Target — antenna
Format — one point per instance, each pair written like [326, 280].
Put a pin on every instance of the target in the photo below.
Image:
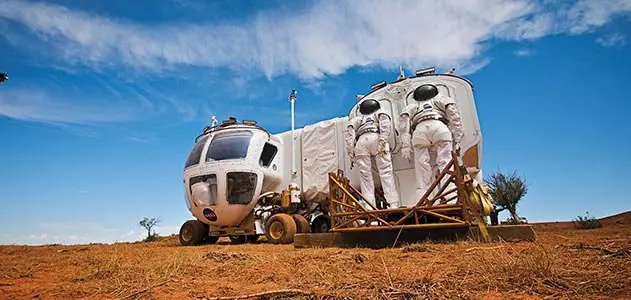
[292, 100]
[401, 73]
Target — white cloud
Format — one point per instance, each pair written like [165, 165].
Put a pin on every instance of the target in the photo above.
[612, 40]
[588, 14]
[524, 52]
[41, 107]
[141, 139]
[325, 39]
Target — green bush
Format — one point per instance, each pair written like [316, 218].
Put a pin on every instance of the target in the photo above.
[587, 222]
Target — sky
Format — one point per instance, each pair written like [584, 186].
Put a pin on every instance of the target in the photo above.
[104, 98]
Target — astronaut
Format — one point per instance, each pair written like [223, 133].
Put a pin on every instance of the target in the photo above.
[366, 137]
[433, 122]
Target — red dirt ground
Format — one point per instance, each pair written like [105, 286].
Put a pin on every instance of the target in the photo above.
[564, 263]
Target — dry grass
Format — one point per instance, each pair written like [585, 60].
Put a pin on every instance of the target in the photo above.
[554, 267]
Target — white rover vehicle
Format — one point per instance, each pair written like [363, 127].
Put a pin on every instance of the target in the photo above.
[242, 182]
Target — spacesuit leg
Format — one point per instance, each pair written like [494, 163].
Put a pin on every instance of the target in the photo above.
[384, 165]
[366, 183]
[423, 171]
[443, 157]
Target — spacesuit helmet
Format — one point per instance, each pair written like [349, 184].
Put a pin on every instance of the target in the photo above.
[425, 92]
[369, 106]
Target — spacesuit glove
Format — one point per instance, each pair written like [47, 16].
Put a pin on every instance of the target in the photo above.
[457, 147]
[351, 154]
[406, 152]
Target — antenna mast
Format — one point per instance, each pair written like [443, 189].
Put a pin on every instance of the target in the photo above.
[292, 100]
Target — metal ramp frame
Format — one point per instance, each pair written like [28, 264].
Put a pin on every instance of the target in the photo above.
[349, 213]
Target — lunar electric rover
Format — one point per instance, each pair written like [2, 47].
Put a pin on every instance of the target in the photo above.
[242, 182]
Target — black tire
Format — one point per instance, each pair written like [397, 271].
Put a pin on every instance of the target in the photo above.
[280, 229]
[211, 239]
[321, 225]
[242, 239]
[237, 239]
[302, 225]
[193, 232]
[253, 238]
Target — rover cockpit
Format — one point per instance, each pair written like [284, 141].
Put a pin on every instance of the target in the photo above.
[229, 166]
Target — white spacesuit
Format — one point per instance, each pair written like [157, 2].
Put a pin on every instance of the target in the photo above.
[366, 137]
[434, 122]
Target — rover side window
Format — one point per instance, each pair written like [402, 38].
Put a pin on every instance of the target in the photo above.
[196, 153]
[240, 187]
[229, 145]
[269, 152]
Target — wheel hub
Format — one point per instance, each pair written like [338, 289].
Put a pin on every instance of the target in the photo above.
[187, 234]
[276, 230]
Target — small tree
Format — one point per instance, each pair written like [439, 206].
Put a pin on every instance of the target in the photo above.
[507, 190]
[149, 223]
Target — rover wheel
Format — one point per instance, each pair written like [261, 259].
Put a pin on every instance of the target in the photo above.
[237, 239]
[280, 229]
[193, 232]
[302, 225]
[321, 224]
[242, 239]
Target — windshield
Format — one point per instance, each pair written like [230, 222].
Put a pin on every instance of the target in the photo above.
[196, 153]
[229, 145]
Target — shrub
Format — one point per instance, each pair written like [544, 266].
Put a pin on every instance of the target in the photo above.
[587, 222]
[151, 238]
[507, 190]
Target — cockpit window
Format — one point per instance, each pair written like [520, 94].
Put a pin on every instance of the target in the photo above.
[240, 187]
[229, 145]
[204, 189]
[196, 153]
[269, 151]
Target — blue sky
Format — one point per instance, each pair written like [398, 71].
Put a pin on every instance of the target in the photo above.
[104, 98]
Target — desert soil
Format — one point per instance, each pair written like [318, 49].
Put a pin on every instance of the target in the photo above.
[563, 263]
